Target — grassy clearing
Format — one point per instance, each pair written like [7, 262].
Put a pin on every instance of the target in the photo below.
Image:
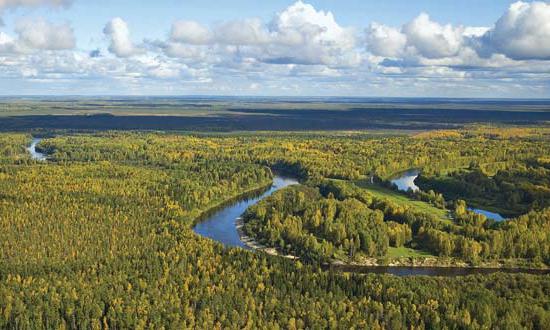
[404, 252]
[402, 199]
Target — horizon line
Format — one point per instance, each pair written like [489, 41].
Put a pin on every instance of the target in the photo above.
[267, 96]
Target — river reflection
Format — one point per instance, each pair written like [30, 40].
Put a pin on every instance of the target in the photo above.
[488, 214]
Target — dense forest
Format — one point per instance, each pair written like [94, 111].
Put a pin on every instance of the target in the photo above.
[99, 236]
[299, 221]
[514, 190]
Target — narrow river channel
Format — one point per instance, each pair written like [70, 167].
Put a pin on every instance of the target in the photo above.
[32, 150]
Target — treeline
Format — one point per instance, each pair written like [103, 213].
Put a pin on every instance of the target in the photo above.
[308, 155]
[525, 237]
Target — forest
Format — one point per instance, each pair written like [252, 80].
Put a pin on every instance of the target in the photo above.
[100, 236]
[520, 187]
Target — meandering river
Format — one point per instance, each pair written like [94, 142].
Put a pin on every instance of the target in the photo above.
[221, 226]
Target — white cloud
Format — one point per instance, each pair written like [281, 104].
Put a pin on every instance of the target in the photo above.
[248, 32]
[40, 34]
[301, 24]
[7, 43]
[420, 37]
[522, 33]
[304, 35]
[299, 34]
[119, 34]
[383, 40]
[432, 40]
[300, 50]
[190, 32]
[21, 3]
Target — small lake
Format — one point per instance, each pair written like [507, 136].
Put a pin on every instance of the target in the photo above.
[32, 150]
[220, 225]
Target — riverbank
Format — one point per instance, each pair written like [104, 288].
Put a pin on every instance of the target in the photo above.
[442, 262]
[408, 262]
[251, 243]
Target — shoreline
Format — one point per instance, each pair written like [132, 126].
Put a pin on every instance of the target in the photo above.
[252, 244]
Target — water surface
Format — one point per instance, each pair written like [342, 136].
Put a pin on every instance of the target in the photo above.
[433, 271]
[405, 180]
[220, 226]
[32, 150]
[488, 214]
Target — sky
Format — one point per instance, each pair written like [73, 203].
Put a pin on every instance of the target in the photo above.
[391, 48]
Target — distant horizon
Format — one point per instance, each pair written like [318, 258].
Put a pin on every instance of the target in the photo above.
[289, 97]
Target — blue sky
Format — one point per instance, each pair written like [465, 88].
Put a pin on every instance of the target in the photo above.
[153, 18]
[466, 48]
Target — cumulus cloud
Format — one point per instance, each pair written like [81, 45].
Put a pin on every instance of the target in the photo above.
[421, 36]
[301, 23]
[431, 39]
[300, 49]
[248, 32]
[383, 40]
[522, 33]
[190, 32]
[300, 34]
[119, 34]
[40, 34]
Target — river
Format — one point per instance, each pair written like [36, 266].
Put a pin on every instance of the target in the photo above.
[32, 150]
[221, 226]
[405, 182]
